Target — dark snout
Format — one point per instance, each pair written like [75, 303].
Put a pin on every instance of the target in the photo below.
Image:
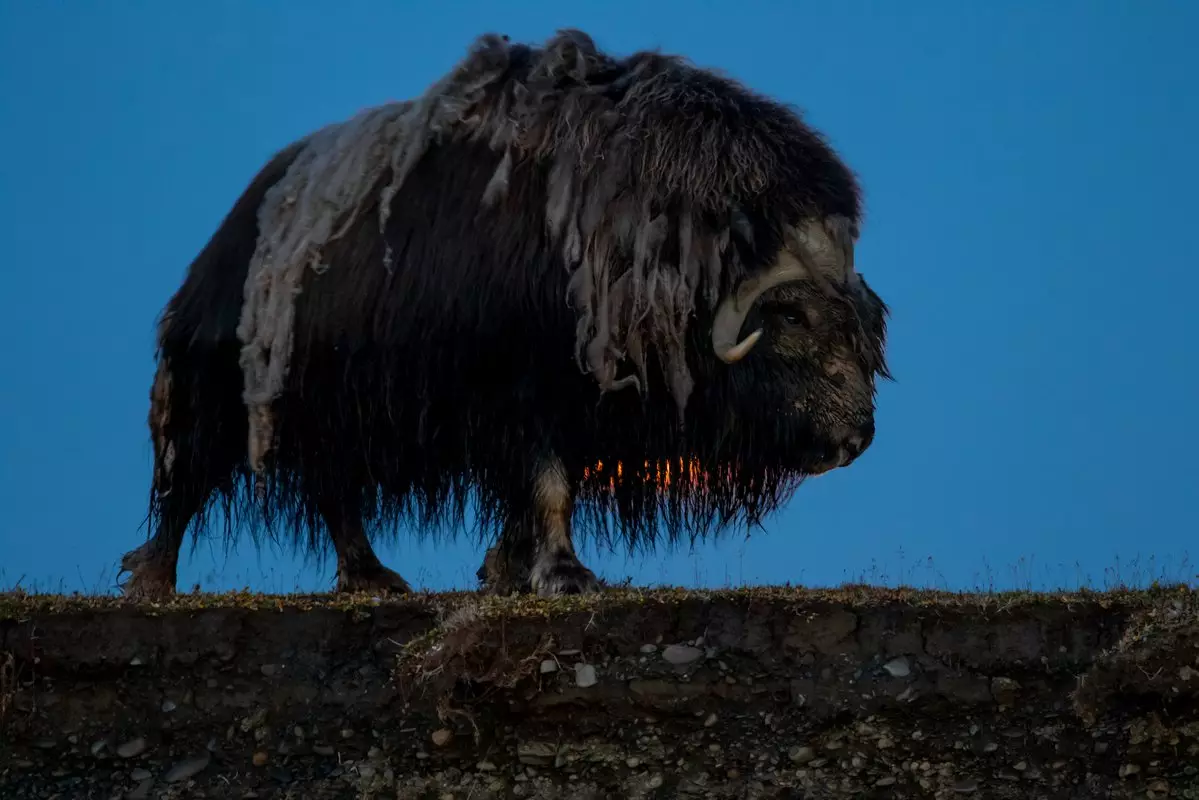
[845, 448]
[856, 443]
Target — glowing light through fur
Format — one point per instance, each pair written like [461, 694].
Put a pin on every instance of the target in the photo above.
[660, 474]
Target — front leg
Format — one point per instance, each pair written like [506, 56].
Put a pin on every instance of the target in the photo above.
[536, 553]
[506, 564]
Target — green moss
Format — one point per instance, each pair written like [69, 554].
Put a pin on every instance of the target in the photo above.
[15, 605]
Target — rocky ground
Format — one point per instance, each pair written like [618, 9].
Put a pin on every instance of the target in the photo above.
[753, 693]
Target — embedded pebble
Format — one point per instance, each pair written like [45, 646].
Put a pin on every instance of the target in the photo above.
[253, 721]
[140, 774]
[132, 748]
[442, 736]
[168, 706]
[801, 755]
[585, 676]
[680, 654]
[549, 665]
[898, 667]
[187, 768]
[141, 791]
[646, 649]
[260, 758]
[966, 786]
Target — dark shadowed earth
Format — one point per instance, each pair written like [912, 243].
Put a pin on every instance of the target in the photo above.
[749, 693]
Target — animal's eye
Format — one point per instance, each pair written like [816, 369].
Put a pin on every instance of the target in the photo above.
[796, 317]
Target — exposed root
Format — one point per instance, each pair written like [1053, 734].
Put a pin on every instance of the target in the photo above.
[8, 686]
[1145, 660]
[468, 658]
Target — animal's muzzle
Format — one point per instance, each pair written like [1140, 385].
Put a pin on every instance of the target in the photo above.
[845, 449]
[856, 443]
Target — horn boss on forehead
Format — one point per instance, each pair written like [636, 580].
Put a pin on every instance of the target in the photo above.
[817, 250]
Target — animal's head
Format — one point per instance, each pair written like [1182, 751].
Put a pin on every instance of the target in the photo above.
[803, 338]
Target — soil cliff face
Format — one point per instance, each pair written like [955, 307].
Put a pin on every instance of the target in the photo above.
[751, 693]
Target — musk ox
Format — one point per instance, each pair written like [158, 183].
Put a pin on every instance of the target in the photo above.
[575, 290]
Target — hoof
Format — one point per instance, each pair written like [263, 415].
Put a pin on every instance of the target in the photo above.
[557, 574]
[500, 575]
[149, 578]
[376, 579]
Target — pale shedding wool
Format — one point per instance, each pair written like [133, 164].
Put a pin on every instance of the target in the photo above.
[329, 177]
[611, 163]
[328, 182]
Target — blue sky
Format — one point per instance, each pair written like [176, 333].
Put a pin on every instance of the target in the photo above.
[1030, 173]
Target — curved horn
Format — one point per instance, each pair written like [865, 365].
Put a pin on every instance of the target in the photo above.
[733, 310]
[809, 243]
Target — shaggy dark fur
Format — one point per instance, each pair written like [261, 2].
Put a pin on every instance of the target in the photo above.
[540, 301]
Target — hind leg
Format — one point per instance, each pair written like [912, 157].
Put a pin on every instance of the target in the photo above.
[153, 567]
[358, 568]
[190, 460]
[536, 553]
[177, 498]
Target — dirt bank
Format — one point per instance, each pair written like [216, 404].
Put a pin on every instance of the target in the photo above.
[772, 693]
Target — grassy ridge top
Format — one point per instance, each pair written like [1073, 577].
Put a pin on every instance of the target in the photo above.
[19, 604]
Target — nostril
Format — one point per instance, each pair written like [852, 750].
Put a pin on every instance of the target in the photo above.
[855, 444]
